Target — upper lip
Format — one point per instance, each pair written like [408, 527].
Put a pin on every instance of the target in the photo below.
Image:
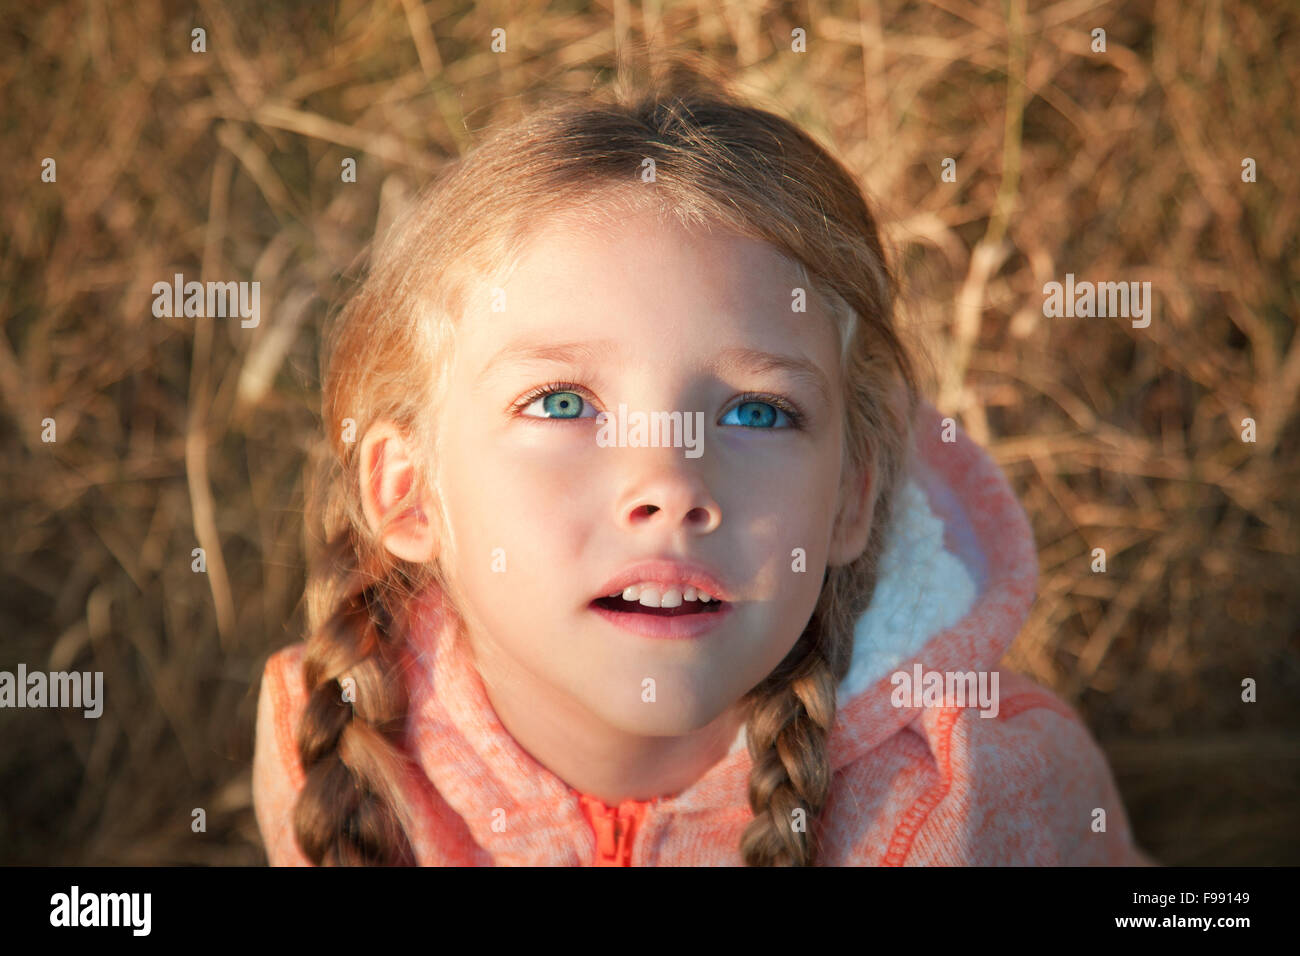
[669, 574]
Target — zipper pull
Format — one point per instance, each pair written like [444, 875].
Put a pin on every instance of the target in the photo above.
[607, 835]
[622, 831]
[615, 832]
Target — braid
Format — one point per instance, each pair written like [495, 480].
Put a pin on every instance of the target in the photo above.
[789, 727]
[349, 810]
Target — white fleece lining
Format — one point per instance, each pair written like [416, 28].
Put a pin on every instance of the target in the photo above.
[922, 589]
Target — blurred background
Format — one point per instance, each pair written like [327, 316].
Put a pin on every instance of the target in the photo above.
[172, 434]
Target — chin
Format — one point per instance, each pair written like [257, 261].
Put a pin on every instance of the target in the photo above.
[667, 716]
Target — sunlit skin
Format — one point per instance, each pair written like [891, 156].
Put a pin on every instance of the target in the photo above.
[652, 309]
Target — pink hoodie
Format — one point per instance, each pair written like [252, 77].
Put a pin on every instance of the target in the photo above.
[1014, 777]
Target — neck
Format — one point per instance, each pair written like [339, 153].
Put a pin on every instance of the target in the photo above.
[591, 756]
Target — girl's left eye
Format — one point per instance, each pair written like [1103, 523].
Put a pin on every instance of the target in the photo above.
[755, 414]
[558, 404]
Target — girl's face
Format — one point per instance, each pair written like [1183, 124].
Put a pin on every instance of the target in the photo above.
[548, 507]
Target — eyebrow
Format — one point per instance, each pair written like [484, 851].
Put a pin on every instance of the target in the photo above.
[729, 360]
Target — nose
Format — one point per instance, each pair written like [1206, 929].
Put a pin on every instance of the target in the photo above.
[670, 496]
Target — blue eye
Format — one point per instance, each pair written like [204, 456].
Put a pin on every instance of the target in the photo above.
[559, 404]
[756, 415]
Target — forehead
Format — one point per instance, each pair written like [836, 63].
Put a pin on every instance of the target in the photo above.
[645, 250]
[651, 277]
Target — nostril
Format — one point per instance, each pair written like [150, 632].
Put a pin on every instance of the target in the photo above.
[644, 511]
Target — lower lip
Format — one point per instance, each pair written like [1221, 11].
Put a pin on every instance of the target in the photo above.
[674, 628]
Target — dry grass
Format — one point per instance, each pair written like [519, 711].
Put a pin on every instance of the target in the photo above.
[180, 433]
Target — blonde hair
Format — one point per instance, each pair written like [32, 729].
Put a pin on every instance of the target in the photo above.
[717, 161]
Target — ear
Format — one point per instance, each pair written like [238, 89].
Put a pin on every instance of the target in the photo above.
[853, 519]
[387, 471]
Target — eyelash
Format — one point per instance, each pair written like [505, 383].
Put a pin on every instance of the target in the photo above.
[776, 401]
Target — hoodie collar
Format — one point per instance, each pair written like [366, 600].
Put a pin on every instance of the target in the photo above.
[957, 579]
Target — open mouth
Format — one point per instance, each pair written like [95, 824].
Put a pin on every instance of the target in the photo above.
[685, 608]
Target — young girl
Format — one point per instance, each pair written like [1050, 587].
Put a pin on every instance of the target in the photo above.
[642, 547]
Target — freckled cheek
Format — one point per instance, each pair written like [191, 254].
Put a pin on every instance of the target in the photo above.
[552, 481]
[530, 500]
[771, 512]
[786, 492]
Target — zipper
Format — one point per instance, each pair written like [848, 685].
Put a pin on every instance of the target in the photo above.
[615, 833]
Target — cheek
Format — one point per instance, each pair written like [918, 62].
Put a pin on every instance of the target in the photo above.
[536, 489]
[817, 514]
[528, 500]
[779, 512]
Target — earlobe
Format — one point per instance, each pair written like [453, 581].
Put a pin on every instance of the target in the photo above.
[387, 471]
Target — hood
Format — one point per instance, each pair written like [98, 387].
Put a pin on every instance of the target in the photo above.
[957, 578]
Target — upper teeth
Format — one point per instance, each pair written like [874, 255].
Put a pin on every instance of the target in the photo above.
[652, 595]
